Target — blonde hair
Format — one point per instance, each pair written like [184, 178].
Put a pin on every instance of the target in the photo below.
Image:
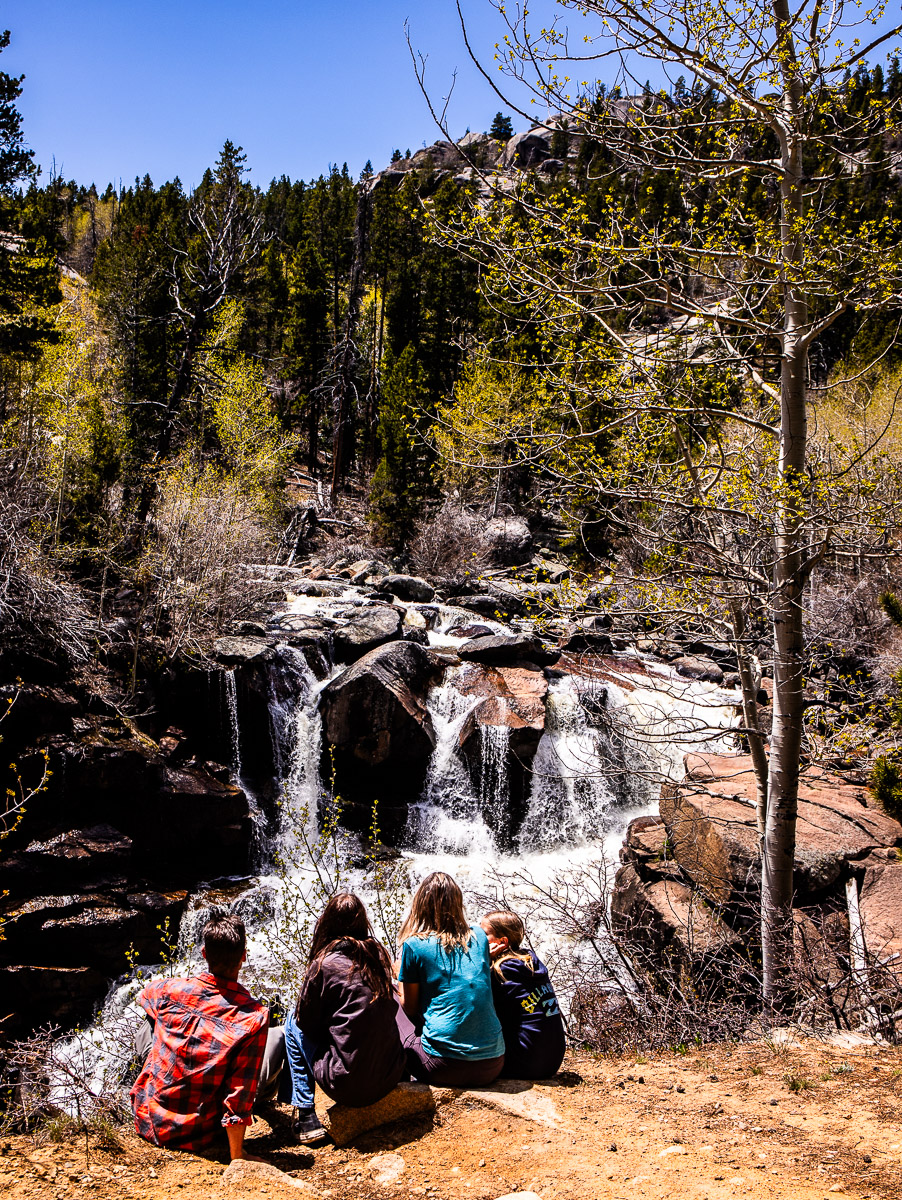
[506, 924]
[438, 909]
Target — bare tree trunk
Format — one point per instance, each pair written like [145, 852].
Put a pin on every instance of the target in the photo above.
[789, 568]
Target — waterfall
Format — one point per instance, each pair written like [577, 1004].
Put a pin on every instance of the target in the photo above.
[231, 698]
[448, 817]
[494, 790]
[573, 781]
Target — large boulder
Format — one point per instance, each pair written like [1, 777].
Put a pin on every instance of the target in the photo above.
[695, 667]
[408, 587]
[508, 541]
[375, 719]
[647, 847]
[880, 904]
[364, 629]
[504, 650]
[74, 859]
[35, 995]
[711, 822]
[669, 921]
[527, 150]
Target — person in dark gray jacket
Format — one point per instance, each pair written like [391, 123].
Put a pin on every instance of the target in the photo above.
[348, 1030]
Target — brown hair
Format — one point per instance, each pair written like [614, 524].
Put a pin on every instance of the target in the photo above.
[504, 923]
[225, 942]
[344, 928]
[438, 908]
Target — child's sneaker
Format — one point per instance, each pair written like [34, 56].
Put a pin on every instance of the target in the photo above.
[306, 1126]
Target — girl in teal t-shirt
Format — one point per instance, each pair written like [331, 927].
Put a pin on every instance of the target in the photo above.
[446, 989]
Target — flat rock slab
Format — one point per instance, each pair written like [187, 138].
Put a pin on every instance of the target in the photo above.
[499, 650]
[519, 1098]
[244, 1177]
[711, 821]
[409, 1100]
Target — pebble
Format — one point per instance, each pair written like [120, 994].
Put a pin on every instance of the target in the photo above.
[675, 1149]
[386, 1168]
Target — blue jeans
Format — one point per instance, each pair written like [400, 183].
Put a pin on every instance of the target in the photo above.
[300, 1050]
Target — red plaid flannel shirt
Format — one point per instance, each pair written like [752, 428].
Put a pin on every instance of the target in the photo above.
[201, 1073]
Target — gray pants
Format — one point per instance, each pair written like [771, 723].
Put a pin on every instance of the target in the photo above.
[270, 1068]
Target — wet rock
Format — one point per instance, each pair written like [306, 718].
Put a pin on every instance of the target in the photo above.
[375, 717]
[712, 824]
[583, 641]
[508, 540]
[420, 636]
[500, 650]
[77, 858]
[408, 587]
[513, 700]
[669, 919]
[239, 651]
[484, 603]
[92, 930]
[694, 667]
[406, 1101]
[34, 995]
[721, 653]
[371, 626]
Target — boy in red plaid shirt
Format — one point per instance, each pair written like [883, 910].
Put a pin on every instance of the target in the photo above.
[209, 1047]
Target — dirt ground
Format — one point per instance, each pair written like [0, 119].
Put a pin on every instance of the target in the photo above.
[799, 1122]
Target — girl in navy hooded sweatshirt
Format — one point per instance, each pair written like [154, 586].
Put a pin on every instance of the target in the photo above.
[525, 1002]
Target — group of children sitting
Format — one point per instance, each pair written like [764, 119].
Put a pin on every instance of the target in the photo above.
[460, 1007]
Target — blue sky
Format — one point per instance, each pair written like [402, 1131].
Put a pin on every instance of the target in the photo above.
[118, 89]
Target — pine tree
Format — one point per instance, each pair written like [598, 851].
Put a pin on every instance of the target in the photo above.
[399, 484]
[502, 128]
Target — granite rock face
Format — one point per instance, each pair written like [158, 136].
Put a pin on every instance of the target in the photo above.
[711, 821]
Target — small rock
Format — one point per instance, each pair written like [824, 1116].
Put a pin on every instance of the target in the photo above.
[669, 1150]
[680, 1088]
[774, 1102]
[519, 1196]
[259, 1174]
[387, 1168]
[613, 1147]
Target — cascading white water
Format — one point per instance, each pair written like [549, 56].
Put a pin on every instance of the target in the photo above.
[494, 787]
[448, 817]
[231, 699]
[297, 731]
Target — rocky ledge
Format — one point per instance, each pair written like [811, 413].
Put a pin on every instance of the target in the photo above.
[686, 895]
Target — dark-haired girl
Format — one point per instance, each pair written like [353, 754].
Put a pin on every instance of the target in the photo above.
[525, 1002]
[445, 979]
[344, 1031]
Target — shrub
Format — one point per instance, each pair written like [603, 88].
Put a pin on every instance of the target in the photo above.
[886, 785]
